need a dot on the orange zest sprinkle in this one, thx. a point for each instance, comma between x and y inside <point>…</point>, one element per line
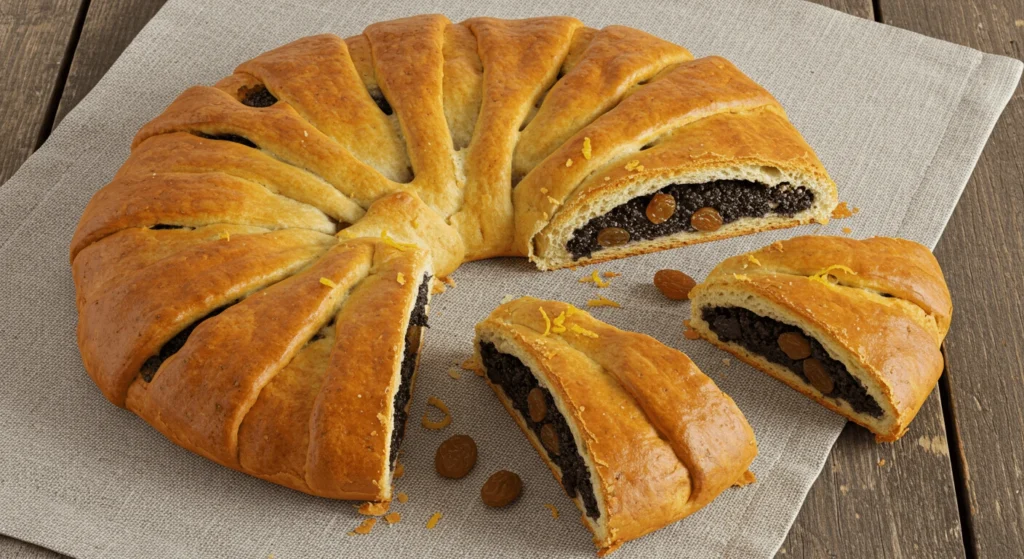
<point>435,425</point>
<point>595,279</point>
<point>611,274</point>
<point>554,511</point>
<point>395,244</point>
<point>822,276</point>
<point>393,517</point>
<point>434,519</point>
<point>364,528</point>
<point>547,322</point>
<point>558,323</point>
<point>587,150</point>
<point>328,283</point>
<point>571,310</point>
<point>603,302</point>
<point>753,259</point>
<point>582,331</point>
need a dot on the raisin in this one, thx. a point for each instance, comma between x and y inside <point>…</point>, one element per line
<point>661,207</point>
<point>674,284</point>
<point>502,488</point>
<point>706,220</point>
<point>612,237</point>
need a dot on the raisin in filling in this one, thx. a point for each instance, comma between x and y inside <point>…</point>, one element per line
<point>417,321</point>
<point>174,345</point>
<point>760,335</point>
<point>228,138</point>
<point>733,199</point>
<point>517,381</point>
<point>257,96</point>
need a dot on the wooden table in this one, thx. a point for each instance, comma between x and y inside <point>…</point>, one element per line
<point>952,487</point>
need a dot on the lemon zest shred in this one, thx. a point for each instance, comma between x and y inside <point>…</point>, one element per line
<point>400,278</point>
<point>582,331</point>
<point>328,282</point>
<point>571,310</point>
<point>547,322</point>
<point>741,277</point>
<point>603,302</point>
<point>554,511</point>
<point>434,519</point>
<point>598,281</point>
<point>822,276</point>
<point>587,150</point>
<point>753,259</point>
<point>553,201</point>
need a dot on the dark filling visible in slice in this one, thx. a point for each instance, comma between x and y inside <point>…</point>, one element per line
<point>160,226</point>
<point>760,335</point>
<point>732,199</point>
<point>382,102</point>
<point>257,96</point>
<point>517,381</point>
<point>417,321</point>
<point>173,345</point>
<point>228,138</point>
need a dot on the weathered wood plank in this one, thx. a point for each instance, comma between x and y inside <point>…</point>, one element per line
<point>861,506</point>
<point>109,27</point>
<point>981,253</point>
<point>34,42</point>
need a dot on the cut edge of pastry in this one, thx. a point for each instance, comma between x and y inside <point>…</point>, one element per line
<point>890,426</point>
<point>603,538</point>
<point>550,245</point>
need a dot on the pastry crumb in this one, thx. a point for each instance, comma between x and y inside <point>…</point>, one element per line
<point>543,190</point>
<point>691,334</point>
<point>328,283</point>
<point>587,150</point>
<point>403,498</point>
<point>610,274</point>
<point>364,528</point>
<point>393,518</point>
<point>371,508</point>
<point>847,230</point>
<point>554,511</point>
<point>607,178</point>
<point>434,519</point>
<point>508,298</point>
<point>603,302</point>
<point>632,165</point>
<point>568,162</point>
<point>454,373</point>
<point>726,361</point>
<point>841,211</point>
<point>399,471</point>
<point>881,462</point>
<point>553,201</point>
<point>445,421</point>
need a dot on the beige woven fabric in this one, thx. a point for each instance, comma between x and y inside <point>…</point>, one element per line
<point>898,119</point>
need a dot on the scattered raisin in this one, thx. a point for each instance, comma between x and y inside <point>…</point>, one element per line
<point>612,237</point>
<point>661,207</point>
<point>537,404</point>
<point>455,457</point>
<point>794,345</point>
<point>706,220</point>
<point>815,372</point>
<point>502,488</point>
<point>549,438</point>
<point>674,284</point>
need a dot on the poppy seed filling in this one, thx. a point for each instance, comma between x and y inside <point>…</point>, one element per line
<point>733,199</point>
<point>760,335</point>
<point>516,380</point>
<point>417,321</point>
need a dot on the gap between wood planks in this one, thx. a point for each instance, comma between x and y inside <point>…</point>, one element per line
<point>62,75</point>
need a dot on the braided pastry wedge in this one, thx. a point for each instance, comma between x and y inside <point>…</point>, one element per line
<point>855,325</point>
<point>634,432</point>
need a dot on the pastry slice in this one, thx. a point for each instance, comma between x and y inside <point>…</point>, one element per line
<point>635,433</point>
<point>855,325</point>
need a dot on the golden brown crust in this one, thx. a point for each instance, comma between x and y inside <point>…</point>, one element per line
<point>884,318</point>
<point>405,140</point>
<point>659,436</point>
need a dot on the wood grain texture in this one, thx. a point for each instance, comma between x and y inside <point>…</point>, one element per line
<point>861,506</point>
<point>981,251</point>
<point>34,40</point>
<point>109,27</point>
